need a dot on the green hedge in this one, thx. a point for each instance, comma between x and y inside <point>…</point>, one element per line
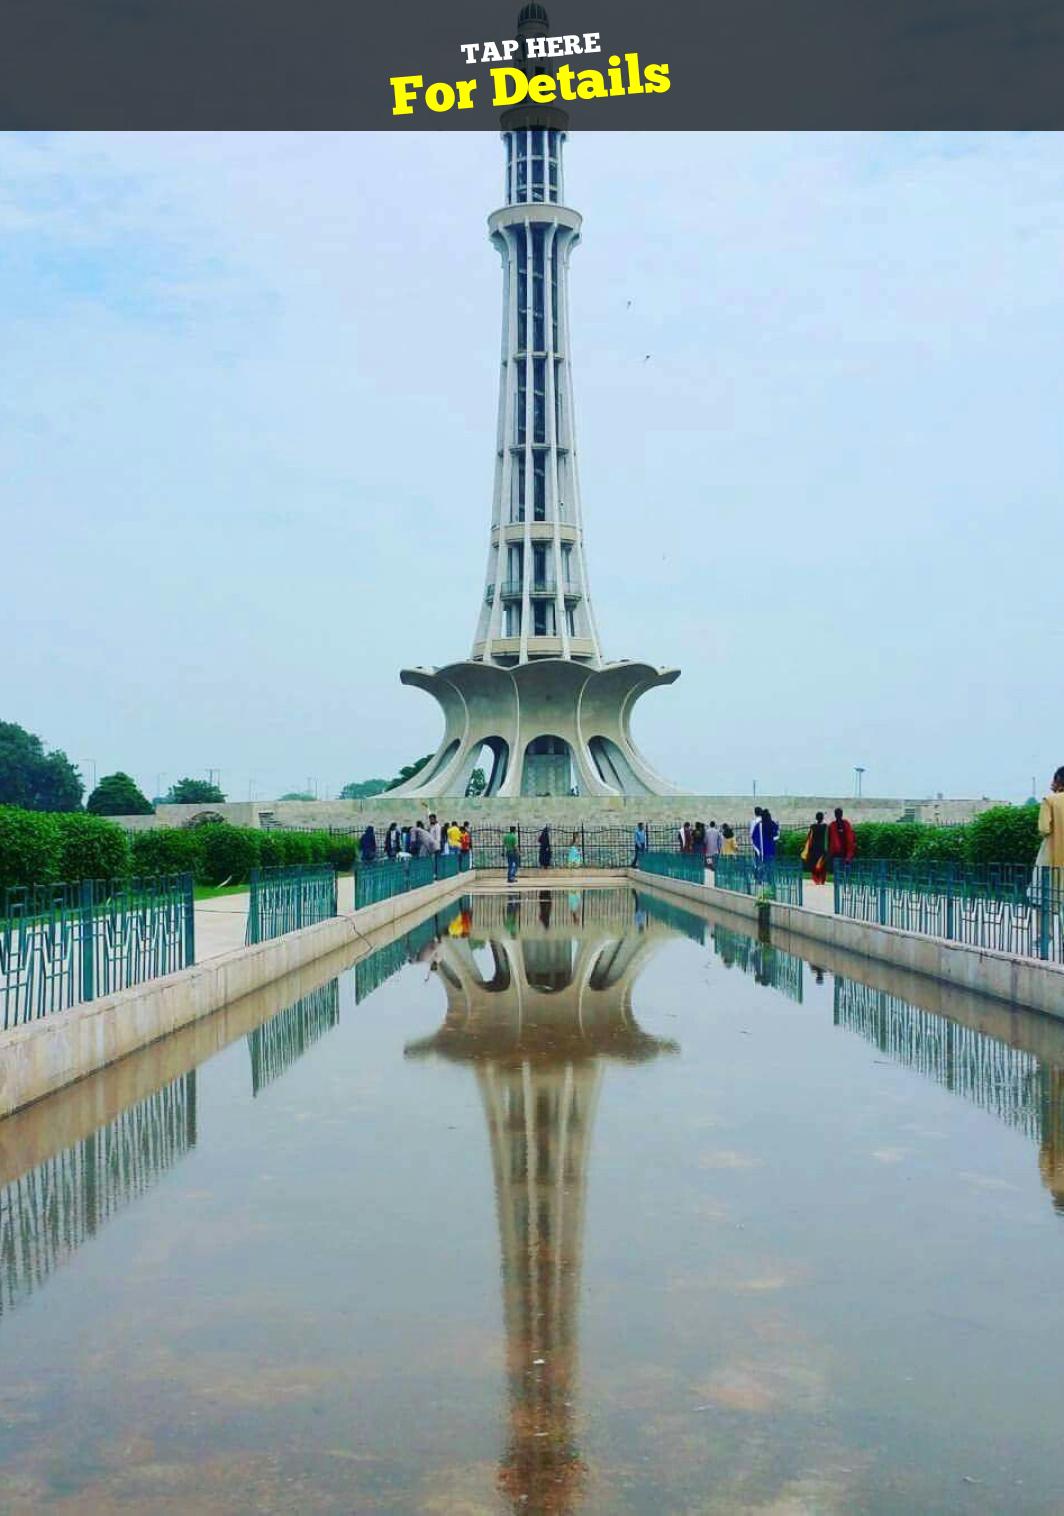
<point>38,847</point>
<point>1003,834</point>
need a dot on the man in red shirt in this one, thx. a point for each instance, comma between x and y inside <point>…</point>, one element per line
<point>842,844</point>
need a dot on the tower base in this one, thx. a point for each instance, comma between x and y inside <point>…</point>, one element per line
<point>552,726</point>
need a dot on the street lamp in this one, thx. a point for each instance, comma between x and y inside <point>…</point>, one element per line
<point>859,771</point>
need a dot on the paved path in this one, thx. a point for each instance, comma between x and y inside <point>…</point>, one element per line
<point>221,922</point>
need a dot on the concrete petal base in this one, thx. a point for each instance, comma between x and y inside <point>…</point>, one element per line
<point>507,709</point>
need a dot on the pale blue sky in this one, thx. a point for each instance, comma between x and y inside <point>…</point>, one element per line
<point>247,423</point>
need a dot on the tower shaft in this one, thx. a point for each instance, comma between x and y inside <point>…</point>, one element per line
<point>536,601</point>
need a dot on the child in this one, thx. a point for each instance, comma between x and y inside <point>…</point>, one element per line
<point>575,859</point>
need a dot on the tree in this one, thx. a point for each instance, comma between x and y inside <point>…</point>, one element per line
<point>407,772</point>
<point>194,792</point>
<point>32,778</point>
<point>362,788</point>
<point>297,795</point>
<point>478,782</point>
<point>117,795</point>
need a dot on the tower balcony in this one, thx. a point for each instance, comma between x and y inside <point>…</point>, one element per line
<point>546,589</point>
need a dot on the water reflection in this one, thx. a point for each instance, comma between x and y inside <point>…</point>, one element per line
<point>537,1016</point>
<point>1014,1085</point>
<point>279,1043</point>
<point>767,964</point>
<point>49,1212</point>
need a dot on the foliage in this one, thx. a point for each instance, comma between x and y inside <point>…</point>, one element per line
<point>478,782</point>
<point>1004,834</point>
<point>791,841</point>
<point>92,848</point>
<point>941,844</point>
<point>194,792</point>
<point>118,795</point>
<point>31,848</point>
<point>887,839</point>
<point>227,854</point>
<point>32,778</point>
<point>407,772</point>
<point>363,788</point>
<point>343,851</point>
<point>297,795</point>
<point>167,850</point>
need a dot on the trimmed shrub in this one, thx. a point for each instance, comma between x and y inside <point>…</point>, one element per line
<point>167,850</point>
<point>1004,834</point>
<point>343,851</point>
<point>31,847</point>
<point>295,847</point>
<point>941,844</point>
<point>227,853</point>
<point>92,848</point>
<point>271,850</point>
<point>887,839</point>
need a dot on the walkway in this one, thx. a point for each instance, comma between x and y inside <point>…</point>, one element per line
<point>222,921</point>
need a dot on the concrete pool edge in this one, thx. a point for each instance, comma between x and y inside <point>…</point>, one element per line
<point>47,1055</point>
<point>1026,982</point>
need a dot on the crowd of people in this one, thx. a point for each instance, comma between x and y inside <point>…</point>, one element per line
<point>419,839</point>
<point>824,842</point>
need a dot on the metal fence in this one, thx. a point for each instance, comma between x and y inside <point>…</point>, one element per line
<point>394,876</point>
<point>777,879</point>
<point>287,898</point>
<point>1009,908</point>
<point>599,847</point>
<point>687,866</point>
<point>61,944</point>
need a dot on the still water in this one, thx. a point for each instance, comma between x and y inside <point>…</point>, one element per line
<point>560,1203</point>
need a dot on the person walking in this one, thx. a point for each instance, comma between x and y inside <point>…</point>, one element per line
<point>546,852</point>
<point>815,852</point>
<point>392,841</point>
<point>729,848</point>
<point>454,838</point>
<point>842,841</point>
<point>513,858</point>
<point>1051,825</point>
<point>770,833</point>
<point>575,856</point>
<point>640,841</point>
<point>714,844</point>
<point>698,841</point>
<point>435,833</point>
<point>466,846</point>
<point>367,846</point>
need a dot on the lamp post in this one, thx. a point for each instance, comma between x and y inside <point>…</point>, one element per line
<point>859,772</point>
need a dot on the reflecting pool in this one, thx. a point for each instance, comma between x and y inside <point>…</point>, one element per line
<point>560,1202</point>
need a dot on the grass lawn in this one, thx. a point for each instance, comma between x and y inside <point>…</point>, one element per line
<point>211,891</point>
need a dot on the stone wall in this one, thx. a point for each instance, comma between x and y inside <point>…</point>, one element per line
<point>561,811</point>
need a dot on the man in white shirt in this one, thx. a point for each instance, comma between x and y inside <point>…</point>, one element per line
<point>435,832</point>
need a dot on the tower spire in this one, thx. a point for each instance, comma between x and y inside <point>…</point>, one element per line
<point>536,690</point>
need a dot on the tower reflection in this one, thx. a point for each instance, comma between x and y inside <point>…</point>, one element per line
<point>537,1016</point>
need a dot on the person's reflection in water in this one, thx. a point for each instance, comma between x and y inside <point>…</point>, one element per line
<point>513,914</point>
<point>538,1043</point>
<point>546,900</point>
<point>574,906</point>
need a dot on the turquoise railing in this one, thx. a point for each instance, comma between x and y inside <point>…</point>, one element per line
<point>688,866</point>
<point>777,879</point>
<point>65,943</point>
<point>381,880</point>
<point>1008,908</point>
<point>287,898</point>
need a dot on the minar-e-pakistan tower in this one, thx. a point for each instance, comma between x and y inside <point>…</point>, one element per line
<point>536,690</point>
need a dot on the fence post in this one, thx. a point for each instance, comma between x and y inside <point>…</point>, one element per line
<point>583,847</point>
<point>1045,918</point>
<point>950,924</point>
<point>253,907</point>
<point>190,919</point>
<point>88,964</point>
<point>882,894</point>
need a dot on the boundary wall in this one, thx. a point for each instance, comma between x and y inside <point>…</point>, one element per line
<point>978,971</point>
<point>46,1055</point>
